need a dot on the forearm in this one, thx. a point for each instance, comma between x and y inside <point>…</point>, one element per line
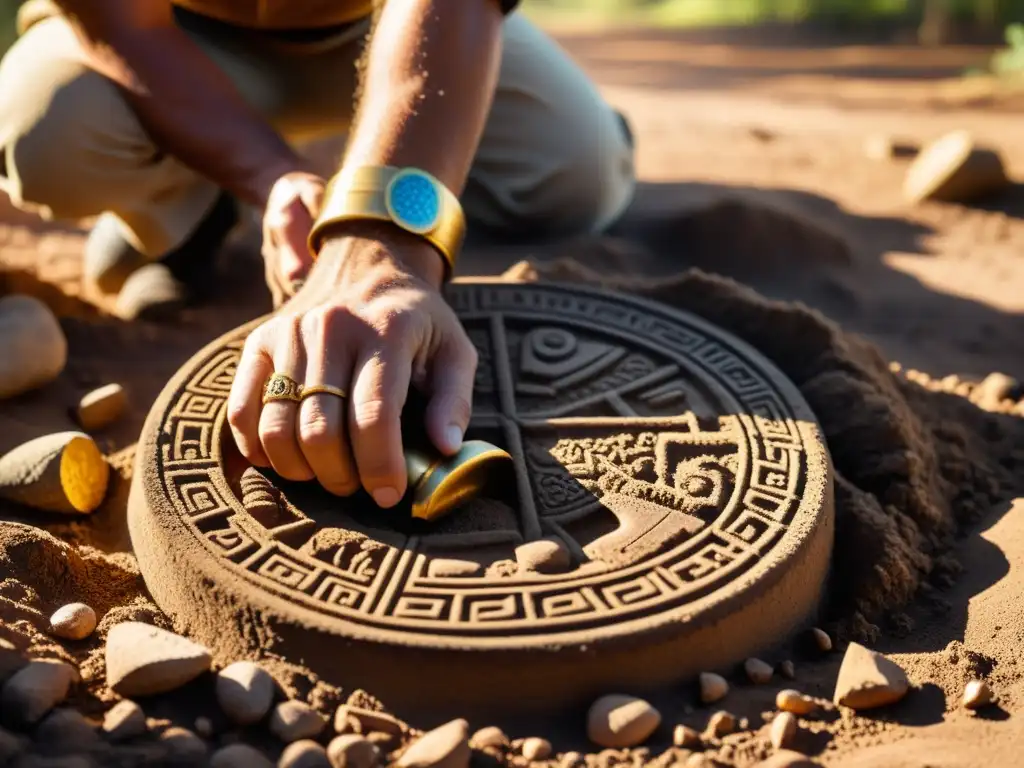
<point>181,97</point>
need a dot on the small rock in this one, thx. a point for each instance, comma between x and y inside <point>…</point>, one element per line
<point>74,621</point>
<point>245,692</point>
<point>787,759</point>
<point>544,556</point>
<point>385,742</point>
<point>352,751</point>
<point>994,389</point>
<point>443,747</point>
<point>977,694</point>
<point>618,721</point>
<point>350,718</point>
<point>124,720</point>
<point>572,760</point>
<point>143,660</point>
<point>822,640</point>
<point>101,407</point>
<point>184,745</point>
<point>721,724</point>
<point>204,727</point>
<point>305,753</point>
<point>535,748</point>
<point>66,731</point>
<point>697,760</point>
<point>868,679</point>
<point>789,700</point>
<point>712,687</point>
<point>35,689</point>
<point>491,737</point>
<point>686,737</point>
<point>239,756</point>
<point>294,720</point>
<point>11,746</point>
<point>758,671</point>
<point>11,660</point>
<point>784,729</point>
<point>787,669</point>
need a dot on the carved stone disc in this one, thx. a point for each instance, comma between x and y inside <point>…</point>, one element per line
<point>671,512</point>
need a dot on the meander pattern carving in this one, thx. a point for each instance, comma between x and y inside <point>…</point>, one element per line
<point>665,460</point>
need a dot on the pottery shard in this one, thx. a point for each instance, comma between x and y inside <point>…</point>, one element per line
<point>239,756</point>
<point>712,687</point>
<point>444,747</point>
<point>294,720</point>
<point>543,556</point>
<point>245,691</point>
<point>35,689</point>
<point>783,730</point>
<point>491,737</point>
<point>304,753</point>
<point>686,737</point>
<point>787,759</point>
<point>616,721</point>
<point>789,700</point>
<point>66,731</point>
<point>758,671</point>
<point>124,720</point>
<point>64,472</point>
<point>101,407</point>
<point>350,718</point>
<point>868,679</point>
<point>536,748</point>
<point>74,621</point>
<point>143,660</point>
<point>11,660</point>
<point>352,751</point>
<point>977,694</point>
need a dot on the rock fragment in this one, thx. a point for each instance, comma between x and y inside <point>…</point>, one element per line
<point>35,689</point>
<point>955,169</point>
<point>245,692</point>
<point>490,737</point>
<point>544,556</point>
<point>444,747</point>
<point>66,731</point>
<point>63,472</point>
<point>143,660</point>
<point>868,679</point>
<point>712,687</point>
<point>721,724</point>
<point>33,348</point>
<point>789,700</point>
<point>536,748</point>
<point>994,390</point>
<point>304,753</point>
<point>294,720</point>
<point>759,672</point>
<point>125,720</point>
<point>822,640</point>
<point>74,621</point>
<point>203,726</point>
<point>787,669</point>
<point>359,720</point>
<point>783,731</point>
<point>686,737</point>
<point>977,694</point>
<point>616,721</point>
<point>101,407</point>
<point>351,750</point>
<point>184,746</point>
<point>239,756</point>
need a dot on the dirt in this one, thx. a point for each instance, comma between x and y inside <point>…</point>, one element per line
<point>750,151</point>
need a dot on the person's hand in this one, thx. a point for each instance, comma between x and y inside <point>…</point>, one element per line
<point>292,207</point>
<point>370,320</point>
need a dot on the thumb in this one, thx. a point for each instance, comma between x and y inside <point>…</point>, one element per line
<point>451,394</point>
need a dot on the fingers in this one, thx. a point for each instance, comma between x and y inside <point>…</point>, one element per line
<point>244,401</point>
<point>278,419</point>
<point>379,391</point>
<point>451,393</point>
<point>322,426</point>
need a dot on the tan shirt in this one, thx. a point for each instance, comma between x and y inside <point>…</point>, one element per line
<point>281,14</point>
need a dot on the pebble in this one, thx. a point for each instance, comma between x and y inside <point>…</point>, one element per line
<point>544,556</point>
<point>721,724</point>
<point>184,745</point>
<point>784,730</point>
<point>787,669</point>
<point>686,737</point>
<point>491,737</point>
<point>101,407</point>
<point>572,760</point>
<point>245,692</point>
<point>352,751</point>
<point>11,746</point>
<point>35,689</point>
<point>385,742</point>
<point>305,753</point>
<point>536,748</point>
<point>977,694</point>
<point>203,726</point>
<point>74,621</point>
<point>444,747</point>
<point>124,720</point>
<point>348,718</point>
<point>697,760</point>
<point>994,389</point>
<point>11,660</point>
<point>294,720</point>
<point>617,721</point>
<point>143,660</point>
<point>786,758</point>
<point>822,640</point>
<point>239,756</point>
<point>789,700</point>
<point>712,687</point>
<point>868,679</point>
<point>758,671</point>
<point>66,731</point>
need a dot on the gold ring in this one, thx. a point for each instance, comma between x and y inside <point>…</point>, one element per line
<point>324,389</point>
<point>281,387</point>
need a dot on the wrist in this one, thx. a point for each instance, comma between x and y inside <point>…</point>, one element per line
<point>409,251</point>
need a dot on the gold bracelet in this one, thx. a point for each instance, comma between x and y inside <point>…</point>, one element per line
<point>408,197</point>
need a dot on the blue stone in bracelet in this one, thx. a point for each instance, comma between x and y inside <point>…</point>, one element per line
<point>414,201</point>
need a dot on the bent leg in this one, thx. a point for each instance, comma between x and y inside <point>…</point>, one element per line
<point>555,159</point>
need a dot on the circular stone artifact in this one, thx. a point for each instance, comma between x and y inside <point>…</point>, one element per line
<point>669,511</point>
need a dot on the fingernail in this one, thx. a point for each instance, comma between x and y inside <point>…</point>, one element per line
<point>453,435</point>
<point>386,497</point>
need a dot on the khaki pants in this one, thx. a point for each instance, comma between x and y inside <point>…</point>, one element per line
<point>553,160</point>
